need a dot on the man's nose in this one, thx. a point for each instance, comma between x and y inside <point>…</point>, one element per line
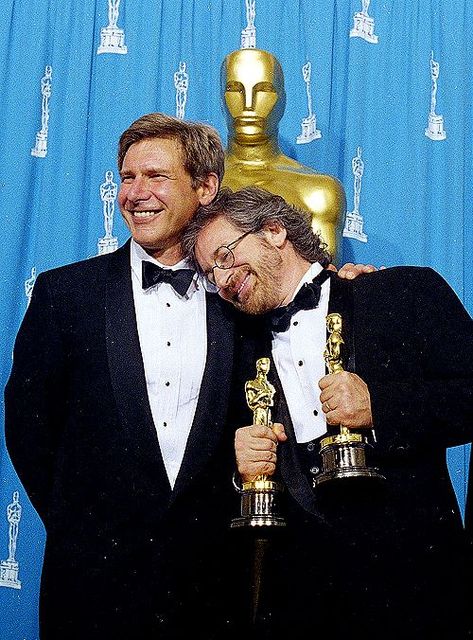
<point>137,190</point>
<point>221,277</point>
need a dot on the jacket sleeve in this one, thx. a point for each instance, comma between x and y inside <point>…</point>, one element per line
<point>435,407</point>
<point>34,405</point>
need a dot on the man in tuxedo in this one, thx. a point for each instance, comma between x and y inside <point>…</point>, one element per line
<point>117,411</point>
<point>379,556</point>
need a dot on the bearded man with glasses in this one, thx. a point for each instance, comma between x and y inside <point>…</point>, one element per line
<point>384,560</point>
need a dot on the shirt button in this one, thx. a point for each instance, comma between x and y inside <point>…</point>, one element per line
<point>167,384</point>
<point>316,413</point>
<point>300,363</point>
<point>295,323</point>
<point>168,344</point>
<point>168,304</point>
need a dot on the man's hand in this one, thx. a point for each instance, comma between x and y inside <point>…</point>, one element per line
<point>350,270</point>
<point>255,450</point>
<point>346,400</point>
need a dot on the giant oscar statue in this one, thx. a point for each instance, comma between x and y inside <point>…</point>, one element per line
<point>254,97</point>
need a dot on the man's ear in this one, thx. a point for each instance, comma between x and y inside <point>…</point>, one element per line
<point>208,188</point>
<point>275,233</point>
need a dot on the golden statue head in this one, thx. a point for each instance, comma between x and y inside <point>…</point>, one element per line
<point>262,366</point>
<point>254,96</point>
<point>334,322</point>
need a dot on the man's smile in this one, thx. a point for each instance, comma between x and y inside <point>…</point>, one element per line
<point>238,288</point>
<point>242,287</point>
<point>145,214</point>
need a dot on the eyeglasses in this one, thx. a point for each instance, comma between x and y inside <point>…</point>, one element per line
<point>224,257</point>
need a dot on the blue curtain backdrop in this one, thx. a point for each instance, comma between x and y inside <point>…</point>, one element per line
<point>400,98</point>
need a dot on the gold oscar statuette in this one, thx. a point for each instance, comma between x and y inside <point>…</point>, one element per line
<point>343,454</point>
<point>260,498</point>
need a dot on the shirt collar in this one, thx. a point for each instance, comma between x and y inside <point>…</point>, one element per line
<point>314,270</point>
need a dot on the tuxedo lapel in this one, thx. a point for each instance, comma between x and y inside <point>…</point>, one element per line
<point>211,413</point>
<point>289,465</point>
<point>127,369</point>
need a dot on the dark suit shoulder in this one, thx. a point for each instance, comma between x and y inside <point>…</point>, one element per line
<point>400,273</point>
<point>421,287</point>
<point>403,277</point>
<point>421,276</point>
<point>409,271</point>
<point>84,271</point>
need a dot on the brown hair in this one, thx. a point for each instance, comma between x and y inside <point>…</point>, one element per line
<point>250,209</point>
<point>201,146</point>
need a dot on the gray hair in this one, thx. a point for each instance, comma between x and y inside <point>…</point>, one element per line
<point>250,209</point>
<point>202,149</point>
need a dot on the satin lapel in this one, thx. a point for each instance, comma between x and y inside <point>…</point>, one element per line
<point>127,370</point>
<point>211,413</point>
<point>341,301</point>
<point>294,479</point>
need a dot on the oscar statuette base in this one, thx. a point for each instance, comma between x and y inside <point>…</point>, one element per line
<point>260,505</point>
<point>343,456</point>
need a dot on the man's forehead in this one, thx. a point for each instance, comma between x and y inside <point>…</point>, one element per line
<point>216,233</point>
<point>152,150</point>
<point>214,229</point>
<point>156,145</point>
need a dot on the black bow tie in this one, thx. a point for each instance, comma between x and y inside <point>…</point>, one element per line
<point>180,279</point>
<point>307,297</point>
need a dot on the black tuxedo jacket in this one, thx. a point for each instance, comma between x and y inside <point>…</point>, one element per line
<point>125,555</point>
<point>386,560</point>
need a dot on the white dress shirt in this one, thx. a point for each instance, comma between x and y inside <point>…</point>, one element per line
<point>173,337</point>
<point>298,356</point>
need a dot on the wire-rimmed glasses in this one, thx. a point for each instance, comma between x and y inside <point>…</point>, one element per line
<point>224,257</point>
